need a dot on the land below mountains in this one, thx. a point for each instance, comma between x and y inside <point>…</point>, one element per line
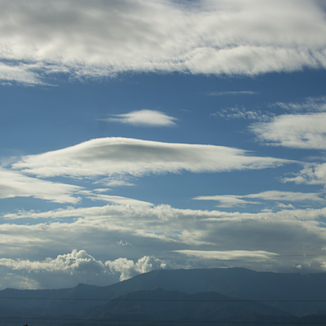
<point>175,297</point>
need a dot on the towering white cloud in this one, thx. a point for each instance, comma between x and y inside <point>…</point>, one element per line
<point>77,266</point>
<point>103,38</point>
<point>128,268</point>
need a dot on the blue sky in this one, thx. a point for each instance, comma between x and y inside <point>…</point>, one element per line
<point>138,135</point>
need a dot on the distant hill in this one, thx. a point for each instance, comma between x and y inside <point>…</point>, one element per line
<point>159,304</point>
<point>212,289</point>
<point>239,283</point>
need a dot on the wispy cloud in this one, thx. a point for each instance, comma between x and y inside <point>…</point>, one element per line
<point>15,184</point>
<point>293,130</point>
<point>312,174</point>
<point>118,200</point>
<point>229,255</point>
<point>124,156</point>
<point>242,113</point>
<point>97,39</point>
<point>227,200</point>
<point>232,93</point>
<point>310,104</point>
<point>151,118</point>
<point>279,196</point>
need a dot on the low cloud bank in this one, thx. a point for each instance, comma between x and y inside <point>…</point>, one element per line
<point>76,267</point>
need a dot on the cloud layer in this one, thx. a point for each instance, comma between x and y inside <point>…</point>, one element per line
<point>103,38</point>
<point>131,239</point>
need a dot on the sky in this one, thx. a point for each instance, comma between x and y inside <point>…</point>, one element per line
<point>161,134</point>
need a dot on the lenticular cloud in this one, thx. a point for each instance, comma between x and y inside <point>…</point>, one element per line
<point>121,156</point>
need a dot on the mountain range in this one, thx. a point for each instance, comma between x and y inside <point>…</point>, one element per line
<point>201,296</point>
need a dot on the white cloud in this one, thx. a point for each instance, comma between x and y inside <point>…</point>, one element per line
<point>294,130</point>
<point>235,200</point>
<point>312,174</point>
<point>114,156</point>
<point>256,255</point>
<point>74,262</point>
<point>310,104</point>
<point>75,267</point>
<point>144,117</point>
<point>232,93</point>
<point>243,113</point>
<point>18,72</point>
<point>232,200</point>
<point>286,196</point>
<point>226,200</point>
<point>15,184</point>
<point>119,200</point>
<point>104,38</point>
<point>128,268</point>
<point>244,239</point>
<point>115,182</point>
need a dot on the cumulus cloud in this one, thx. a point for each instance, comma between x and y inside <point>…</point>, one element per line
<point>128,268</point>
<point>114,156</point>
<point>293,130</point>
<point>103,38</point>
<point>144,118</point>
<point>15,184</point>
<point>235,200</point>
<point>74,262</point>
<point>78,266</point>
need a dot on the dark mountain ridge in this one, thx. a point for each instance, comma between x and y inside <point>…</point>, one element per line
<point>158,305</point>
<point>294,293</point>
